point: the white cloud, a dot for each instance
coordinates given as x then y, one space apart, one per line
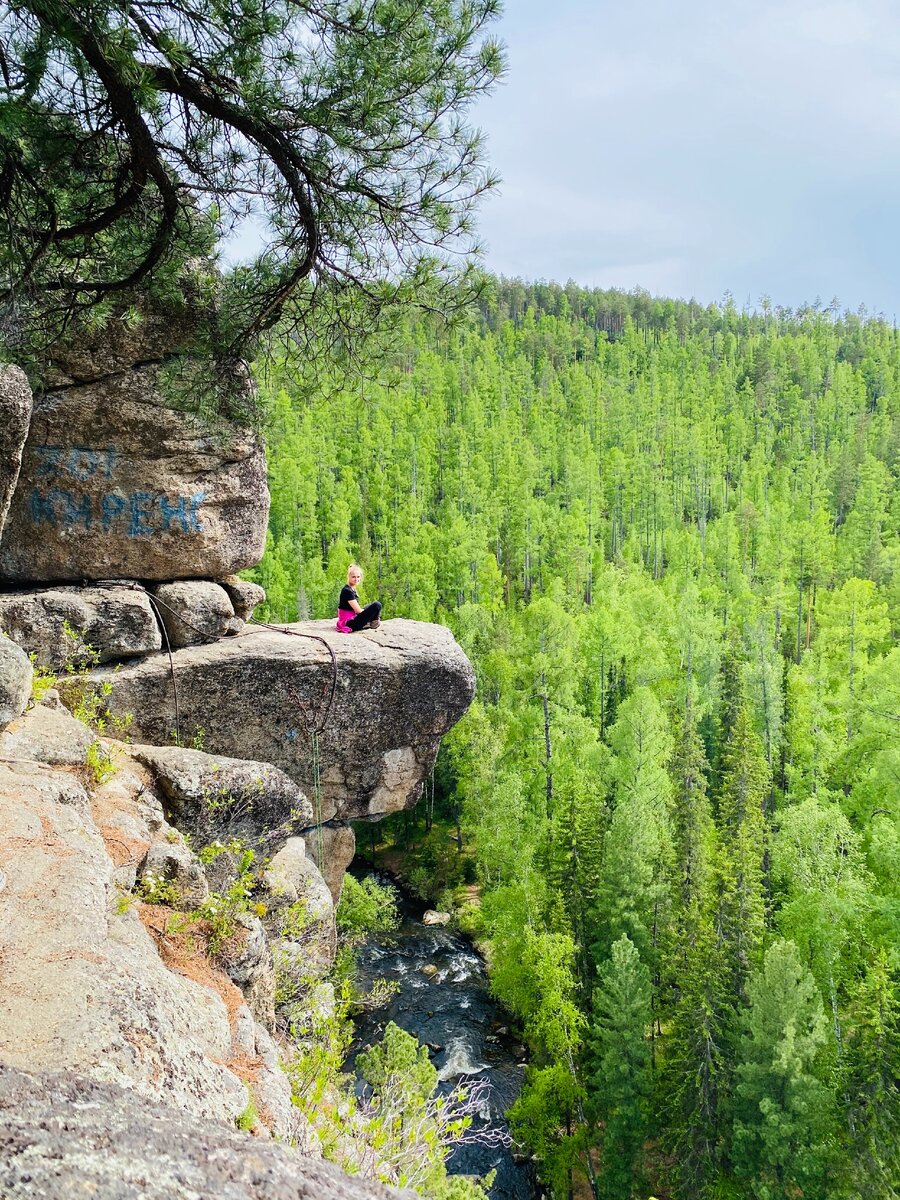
711 146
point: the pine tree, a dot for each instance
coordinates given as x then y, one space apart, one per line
742 904
696 1080
782 1110
693 831
149 131
872 1084
696 1073
637 846
861 535
819 870
730 697
621 1076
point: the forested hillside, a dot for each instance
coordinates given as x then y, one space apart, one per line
667 537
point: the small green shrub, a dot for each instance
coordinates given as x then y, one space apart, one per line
80 655
295 921
222 911
42 679
323 1035
88 701
157 889
125 901
100 762
194 742
249 1118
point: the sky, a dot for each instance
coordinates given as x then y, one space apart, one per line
696 148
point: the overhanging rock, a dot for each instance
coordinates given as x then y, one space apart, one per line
397 691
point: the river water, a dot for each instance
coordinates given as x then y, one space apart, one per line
449 1009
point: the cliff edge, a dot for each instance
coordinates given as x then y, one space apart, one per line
167 894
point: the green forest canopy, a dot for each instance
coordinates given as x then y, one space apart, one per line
667 536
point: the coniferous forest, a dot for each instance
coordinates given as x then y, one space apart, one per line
667 537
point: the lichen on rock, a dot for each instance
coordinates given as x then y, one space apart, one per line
62 1134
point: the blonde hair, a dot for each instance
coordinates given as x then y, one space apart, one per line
354 567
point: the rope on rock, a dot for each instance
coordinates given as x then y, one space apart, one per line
154 604
317 802
314 724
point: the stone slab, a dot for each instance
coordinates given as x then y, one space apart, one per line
397 690
62 1135
108 623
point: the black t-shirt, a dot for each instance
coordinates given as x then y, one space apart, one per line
347 594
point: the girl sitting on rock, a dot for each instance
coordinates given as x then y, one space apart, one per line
352 617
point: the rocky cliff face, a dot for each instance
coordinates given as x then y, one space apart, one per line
114 483
126 958
102 972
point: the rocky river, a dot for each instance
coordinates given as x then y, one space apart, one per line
443 999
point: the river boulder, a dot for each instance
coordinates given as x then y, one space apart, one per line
432 917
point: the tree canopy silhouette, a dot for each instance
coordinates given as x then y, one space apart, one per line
134 137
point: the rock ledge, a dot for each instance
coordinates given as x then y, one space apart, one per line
397 692
62 1135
